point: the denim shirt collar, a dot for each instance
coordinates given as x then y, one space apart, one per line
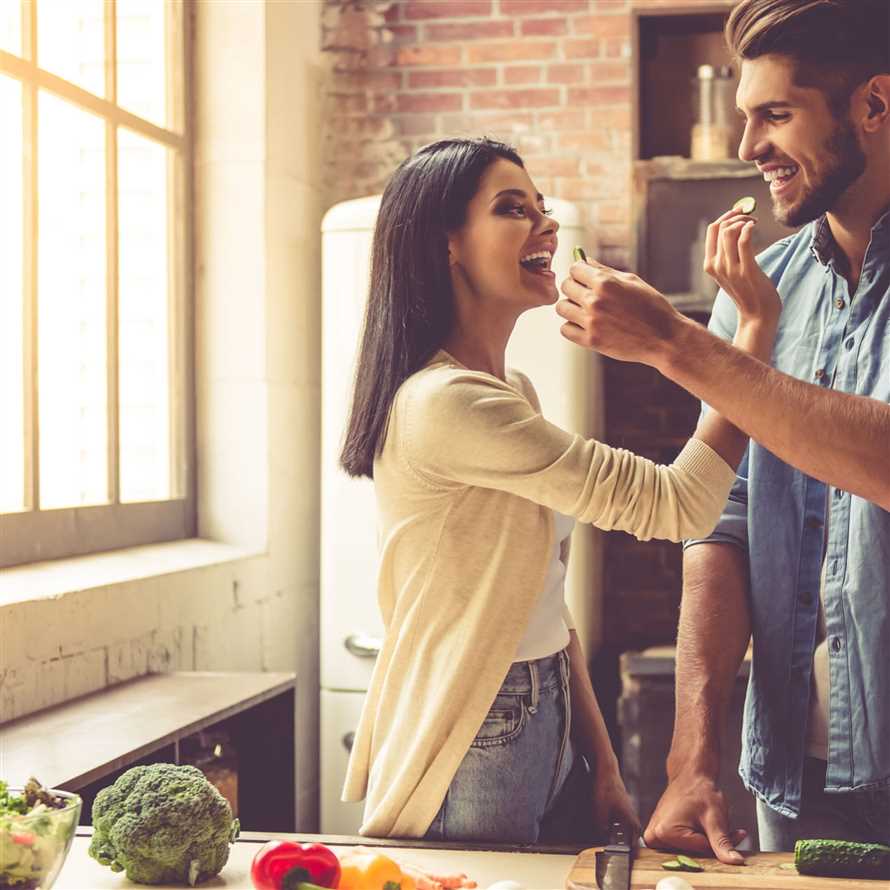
824 248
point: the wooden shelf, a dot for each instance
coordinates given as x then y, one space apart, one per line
86 743
680 168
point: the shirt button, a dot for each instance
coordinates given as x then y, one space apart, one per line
806 598
836 644
838 494
849 343
820 373
840 304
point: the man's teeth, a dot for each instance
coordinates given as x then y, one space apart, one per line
779 173
537 257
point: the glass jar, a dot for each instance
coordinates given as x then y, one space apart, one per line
715 129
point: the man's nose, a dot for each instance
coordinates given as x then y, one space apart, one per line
752 146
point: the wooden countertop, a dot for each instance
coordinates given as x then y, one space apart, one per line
535 871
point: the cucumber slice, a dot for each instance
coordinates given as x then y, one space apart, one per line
747 205
689 863
673 865
578 255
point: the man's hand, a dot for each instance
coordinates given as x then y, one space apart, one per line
617 314
692 817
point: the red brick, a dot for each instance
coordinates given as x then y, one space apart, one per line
447 9
565 73
469 30
415 124
348 103
585 140
581 49
610 71
514 74
438 56
614 213
373 79
600 95
616 48
546 27
384 103
564 119
502 126
559 166
514 99
404 33
455 77
516 51
392 13
602 25
614 118
420 102
533 144
539 7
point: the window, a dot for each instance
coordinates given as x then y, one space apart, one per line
95 257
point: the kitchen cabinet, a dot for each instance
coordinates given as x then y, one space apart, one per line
85 744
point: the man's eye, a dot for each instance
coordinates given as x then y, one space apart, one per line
777 116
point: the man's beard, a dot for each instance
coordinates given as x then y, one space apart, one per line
845 163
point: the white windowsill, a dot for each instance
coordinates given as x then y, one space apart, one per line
55 578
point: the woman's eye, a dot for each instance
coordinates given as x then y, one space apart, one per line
547 211
515 208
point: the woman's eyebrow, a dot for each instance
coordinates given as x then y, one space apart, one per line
519 193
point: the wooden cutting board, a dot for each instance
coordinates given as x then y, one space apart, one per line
761 871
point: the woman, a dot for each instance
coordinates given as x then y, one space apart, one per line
480 705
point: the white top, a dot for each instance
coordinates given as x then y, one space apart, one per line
548 626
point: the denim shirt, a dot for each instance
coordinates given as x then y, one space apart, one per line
787 521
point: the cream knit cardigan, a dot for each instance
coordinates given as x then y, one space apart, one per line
466 483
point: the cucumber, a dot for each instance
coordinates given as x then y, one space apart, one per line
747 205
673 865
689 863
842 859
578 255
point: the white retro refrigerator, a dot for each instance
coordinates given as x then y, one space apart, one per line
568 382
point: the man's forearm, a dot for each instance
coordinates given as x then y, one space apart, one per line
713 635
836 437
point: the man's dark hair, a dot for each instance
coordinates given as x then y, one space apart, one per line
834 45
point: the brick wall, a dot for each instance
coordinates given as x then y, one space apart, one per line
553 78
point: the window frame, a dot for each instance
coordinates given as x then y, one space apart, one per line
36 534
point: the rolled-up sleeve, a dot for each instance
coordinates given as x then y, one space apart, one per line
732 527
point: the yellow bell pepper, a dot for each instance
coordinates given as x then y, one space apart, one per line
370 870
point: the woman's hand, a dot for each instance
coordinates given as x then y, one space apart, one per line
611 803
729 260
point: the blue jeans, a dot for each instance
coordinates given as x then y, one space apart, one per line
850 816
510 780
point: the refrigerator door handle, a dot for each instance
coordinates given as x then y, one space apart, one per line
362 645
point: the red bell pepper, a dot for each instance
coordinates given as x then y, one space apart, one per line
283 865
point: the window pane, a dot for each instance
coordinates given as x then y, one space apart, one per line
141 57
71 41
11 26
144 300
72 353
12 380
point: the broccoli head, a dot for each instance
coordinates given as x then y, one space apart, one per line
161 824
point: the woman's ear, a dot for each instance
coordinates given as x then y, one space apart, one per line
452 251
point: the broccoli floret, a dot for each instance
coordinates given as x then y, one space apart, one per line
162 824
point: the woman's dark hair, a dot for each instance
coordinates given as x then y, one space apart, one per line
834 45
410 308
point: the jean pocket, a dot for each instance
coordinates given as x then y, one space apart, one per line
503 723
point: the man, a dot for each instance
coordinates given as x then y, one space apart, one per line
801 556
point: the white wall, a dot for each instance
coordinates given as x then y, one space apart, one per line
246 597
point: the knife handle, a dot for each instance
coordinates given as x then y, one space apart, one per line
618 835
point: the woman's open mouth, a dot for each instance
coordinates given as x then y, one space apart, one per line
538 263
781 178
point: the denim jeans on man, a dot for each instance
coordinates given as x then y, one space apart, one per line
788 522
510 780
